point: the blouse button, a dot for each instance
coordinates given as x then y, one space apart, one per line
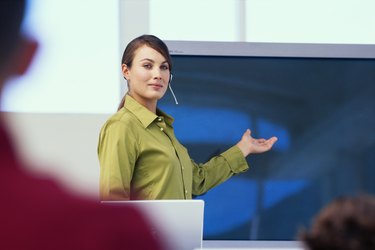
160 119
161 129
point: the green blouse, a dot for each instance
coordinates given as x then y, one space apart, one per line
139 154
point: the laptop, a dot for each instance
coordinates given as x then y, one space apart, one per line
179 223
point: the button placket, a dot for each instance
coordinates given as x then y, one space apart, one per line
162 127
161 123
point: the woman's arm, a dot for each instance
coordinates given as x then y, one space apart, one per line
117 151
233 161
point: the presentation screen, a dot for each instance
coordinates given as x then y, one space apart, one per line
321 107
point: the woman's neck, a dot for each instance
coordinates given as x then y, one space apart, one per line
148 104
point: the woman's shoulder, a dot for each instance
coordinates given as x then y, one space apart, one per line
122 116
121 119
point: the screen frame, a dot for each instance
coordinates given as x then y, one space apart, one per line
312 50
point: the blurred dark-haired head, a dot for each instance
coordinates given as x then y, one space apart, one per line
348 223
11 17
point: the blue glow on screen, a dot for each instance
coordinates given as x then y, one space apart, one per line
217 125
207 125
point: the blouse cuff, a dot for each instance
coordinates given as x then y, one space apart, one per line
236 161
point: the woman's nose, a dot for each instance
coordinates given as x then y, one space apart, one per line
157 74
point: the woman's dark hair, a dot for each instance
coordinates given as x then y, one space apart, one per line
348 223
150 41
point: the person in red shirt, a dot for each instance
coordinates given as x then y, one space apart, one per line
35 212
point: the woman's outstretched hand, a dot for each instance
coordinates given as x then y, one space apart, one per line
249 145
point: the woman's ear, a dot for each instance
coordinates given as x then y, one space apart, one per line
125 71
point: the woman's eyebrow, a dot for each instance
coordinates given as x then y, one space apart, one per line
150 60
147 59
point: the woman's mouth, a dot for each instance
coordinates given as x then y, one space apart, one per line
156 85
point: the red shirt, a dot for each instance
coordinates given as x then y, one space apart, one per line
36 213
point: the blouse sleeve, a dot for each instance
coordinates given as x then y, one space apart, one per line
117 151
217 170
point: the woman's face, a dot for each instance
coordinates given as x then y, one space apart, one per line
148 76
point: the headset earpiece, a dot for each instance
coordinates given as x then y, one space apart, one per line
170 88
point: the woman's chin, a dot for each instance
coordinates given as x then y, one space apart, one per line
157 95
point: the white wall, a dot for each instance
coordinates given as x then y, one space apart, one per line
77 65
298 21
61 145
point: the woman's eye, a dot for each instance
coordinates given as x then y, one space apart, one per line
147 66
164 67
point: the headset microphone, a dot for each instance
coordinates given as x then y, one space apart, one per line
170 88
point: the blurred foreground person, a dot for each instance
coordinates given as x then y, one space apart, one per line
35 213
348 223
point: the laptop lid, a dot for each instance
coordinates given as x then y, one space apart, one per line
179 223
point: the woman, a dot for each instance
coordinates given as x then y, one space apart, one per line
139 154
